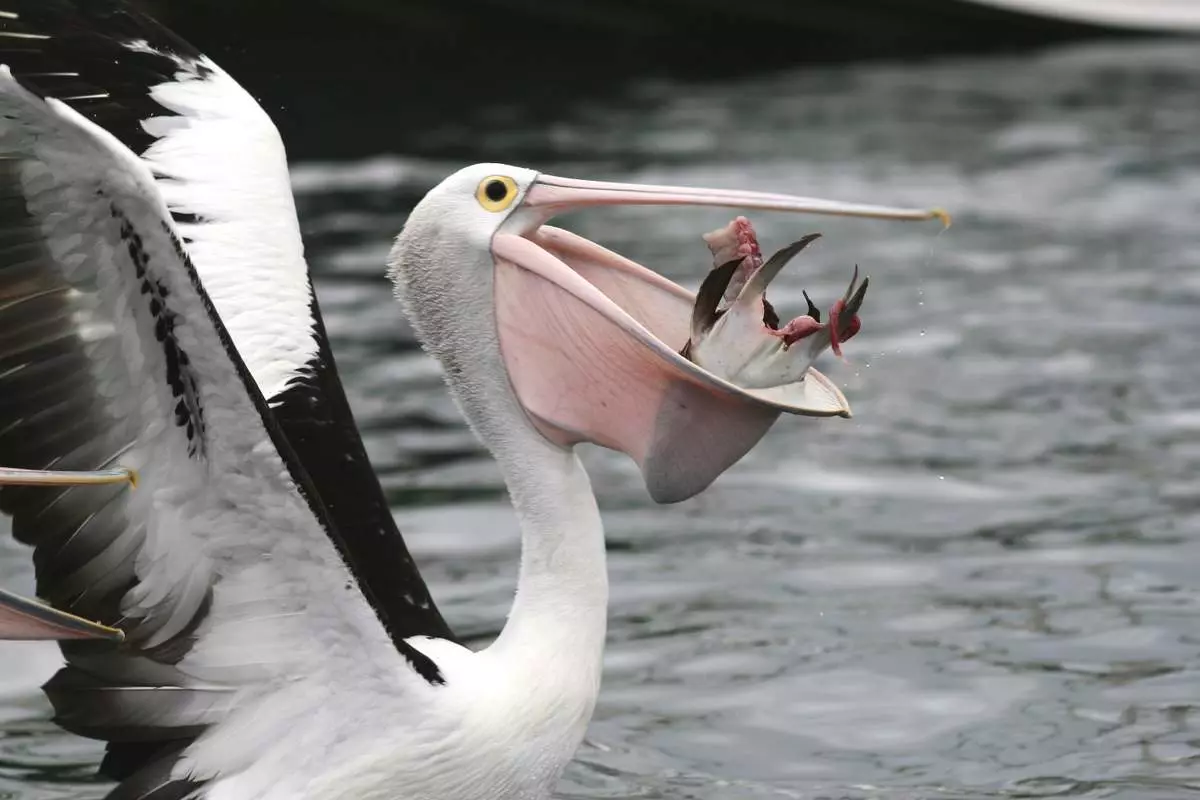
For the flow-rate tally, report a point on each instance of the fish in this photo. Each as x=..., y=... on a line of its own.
x=735, y=331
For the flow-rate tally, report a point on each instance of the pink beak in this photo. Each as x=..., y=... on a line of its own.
x=592, y=340
x=24, y=619
x=29, y=620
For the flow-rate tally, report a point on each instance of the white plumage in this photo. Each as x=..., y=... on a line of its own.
x=219, y=159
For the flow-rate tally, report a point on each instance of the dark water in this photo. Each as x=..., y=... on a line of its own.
x=985, y=585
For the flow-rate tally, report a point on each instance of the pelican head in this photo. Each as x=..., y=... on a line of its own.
x=537, y=327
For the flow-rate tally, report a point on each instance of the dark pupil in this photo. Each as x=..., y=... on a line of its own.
x=495, y=191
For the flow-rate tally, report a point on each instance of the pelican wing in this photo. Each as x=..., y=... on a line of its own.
x=221, y=567
x=219, y=162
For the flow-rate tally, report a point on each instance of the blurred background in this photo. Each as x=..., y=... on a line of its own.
x=986, y=584
x=378, y=65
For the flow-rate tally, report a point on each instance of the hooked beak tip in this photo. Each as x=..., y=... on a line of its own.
x=942, y=215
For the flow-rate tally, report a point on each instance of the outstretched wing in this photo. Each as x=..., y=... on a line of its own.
x=218, y=161
x=220, y=567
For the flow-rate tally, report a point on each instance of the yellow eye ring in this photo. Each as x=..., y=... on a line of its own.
x=496, y=192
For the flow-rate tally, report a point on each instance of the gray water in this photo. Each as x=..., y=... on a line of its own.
x=986, y=584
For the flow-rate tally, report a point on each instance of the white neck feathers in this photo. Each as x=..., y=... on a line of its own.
x=445, y=281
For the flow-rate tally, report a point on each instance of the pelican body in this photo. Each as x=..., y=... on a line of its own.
x=261, y=630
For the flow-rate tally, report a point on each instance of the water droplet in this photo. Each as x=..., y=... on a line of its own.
x=941, y=477
x=922, y=331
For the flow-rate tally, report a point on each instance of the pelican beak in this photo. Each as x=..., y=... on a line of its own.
x=23, y=619
x=550, y=196
x=600, y=349
x=45, y=477
x=29, y=620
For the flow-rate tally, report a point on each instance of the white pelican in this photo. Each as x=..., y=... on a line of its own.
x=269, y=636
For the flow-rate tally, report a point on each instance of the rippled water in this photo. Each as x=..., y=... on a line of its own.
x=985, y=585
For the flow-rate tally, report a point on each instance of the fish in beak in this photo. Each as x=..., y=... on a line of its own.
x=29, y=620
x=735, y=330
x=601, y=349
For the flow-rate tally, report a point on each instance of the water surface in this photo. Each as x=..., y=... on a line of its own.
x=986, y=584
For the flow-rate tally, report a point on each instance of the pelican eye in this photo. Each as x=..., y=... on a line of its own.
x=496, y=193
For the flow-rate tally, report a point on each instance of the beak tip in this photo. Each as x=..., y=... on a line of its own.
x=941, y=215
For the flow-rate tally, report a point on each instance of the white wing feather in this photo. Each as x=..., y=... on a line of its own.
x=220, y=159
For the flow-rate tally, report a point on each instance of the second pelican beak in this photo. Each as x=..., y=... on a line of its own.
x=28, y=620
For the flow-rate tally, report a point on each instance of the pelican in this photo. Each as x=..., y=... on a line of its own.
x=237, y=611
